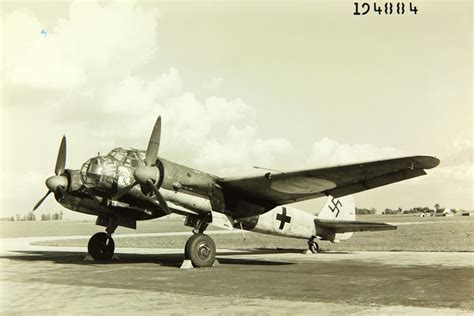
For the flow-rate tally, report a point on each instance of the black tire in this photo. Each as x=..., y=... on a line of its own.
x=201, y=250
x=101, y=247
x=313, y=246
x=187, y=247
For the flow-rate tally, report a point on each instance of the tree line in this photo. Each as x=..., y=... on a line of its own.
x=32, y=217
x=365, y=211
x=413, y=210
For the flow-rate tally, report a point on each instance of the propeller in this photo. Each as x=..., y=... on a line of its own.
x=148, y=176
x=58, y=182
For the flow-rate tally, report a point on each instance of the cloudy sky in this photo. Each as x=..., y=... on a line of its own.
x=284, y=85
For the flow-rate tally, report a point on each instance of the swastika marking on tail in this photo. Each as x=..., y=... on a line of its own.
x=335, y=207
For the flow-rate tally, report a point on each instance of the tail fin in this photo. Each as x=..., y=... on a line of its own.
x=342, y=208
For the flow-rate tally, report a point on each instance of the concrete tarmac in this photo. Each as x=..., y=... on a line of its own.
x=57, y=280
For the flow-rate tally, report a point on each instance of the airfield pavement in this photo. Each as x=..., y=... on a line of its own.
x=51, y=280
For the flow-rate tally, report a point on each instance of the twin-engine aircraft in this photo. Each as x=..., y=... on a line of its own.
x=128, y=185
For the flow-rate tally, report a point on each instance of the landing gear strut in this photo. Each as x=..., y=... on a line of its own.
x=101, y=246
x=200, y=248
x=313, y=246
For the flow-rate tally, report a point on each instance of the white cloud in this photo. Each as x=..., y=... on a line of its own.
x=94, y=43
x=459, y=152
x=109, y=40
x=229, y=155
x=91, y=59
x=457, y=165
x=133, y=93
x=95, y=59
x=35, y=60
x=222, y=111
x=455, y=174
x=213, y=85
x=328, y=152
x=273, y=152
x=240, y=150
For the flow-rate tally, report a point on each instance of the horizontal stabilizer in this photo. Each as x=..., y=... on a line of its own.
x=339, y=227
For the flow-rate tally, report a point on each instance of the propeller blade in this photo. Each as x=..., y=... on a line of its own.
x=153, y=144
x=123, y=191
x=160, y=198
x=41, y=201
x=61, y=160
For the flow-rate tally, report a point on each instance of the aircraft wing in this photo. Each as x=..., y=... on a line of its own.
x=340, y=226
x=277, y=189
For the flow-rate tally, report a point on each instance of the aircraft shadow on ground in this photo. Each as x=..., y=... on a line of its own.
x=287, y=250
x=170, y=260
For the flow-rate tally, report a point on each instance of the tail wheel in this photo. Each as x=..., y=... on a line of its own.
x=313, y=246
x=201, y=250
x=101, y=247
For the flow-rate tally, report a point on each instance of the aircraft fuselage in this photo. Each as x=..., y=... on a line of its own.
x=184, y=188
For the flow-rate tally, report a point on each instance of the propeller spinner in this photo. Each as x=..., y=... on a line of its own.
x=58, y=182
x=148, y=176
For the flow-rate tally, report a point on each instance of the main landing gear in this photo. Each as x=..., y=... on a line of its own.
x=200, y=248
x=313, y=246
x=101, y=246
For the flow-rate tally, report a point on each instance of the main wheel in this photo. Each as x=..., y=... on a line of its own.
x=313, y=246
x=101, y=247
x=201, y=250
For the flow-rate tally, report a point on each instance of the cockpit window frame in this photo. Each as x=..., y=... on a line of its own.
x=118, y=154
x=128, y=156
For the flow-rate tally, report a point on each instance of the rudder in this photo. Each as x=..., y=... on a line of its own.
x=342, y=208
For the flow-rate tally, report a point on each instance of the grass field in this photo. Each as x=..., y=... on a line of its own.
x=73, y=228
x=413, y=234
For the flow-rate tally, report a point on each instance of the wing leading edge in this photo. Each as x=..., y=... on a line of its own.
x=284, y=188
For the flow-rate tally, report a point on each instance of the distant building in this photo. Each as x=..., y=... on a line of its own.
x=426, y=212
x=444, y=212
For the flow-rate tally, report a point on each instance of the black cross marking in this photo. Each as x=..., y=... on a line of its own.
x=283, y=218
x=335, y=206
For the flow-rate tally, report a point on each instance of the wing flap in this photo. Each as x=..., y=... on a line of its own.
x=340, y=227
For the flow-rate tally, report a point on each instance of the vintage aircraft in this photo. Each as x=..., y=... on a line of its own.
x=128, y=185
